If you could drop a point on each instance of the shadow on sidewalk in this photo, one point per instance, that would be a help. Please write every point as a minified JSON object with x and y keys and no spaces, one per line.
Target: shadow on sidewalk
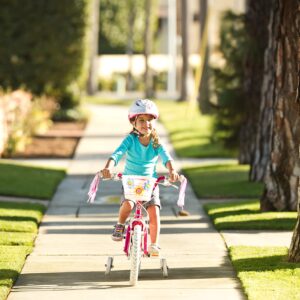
{"x":97,"y":280}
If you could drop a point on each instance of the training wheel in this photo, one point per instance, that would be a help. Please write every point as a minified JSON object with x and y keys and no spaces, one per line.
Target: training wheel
{"x":164,"y":267}
{"x":109,"y":265}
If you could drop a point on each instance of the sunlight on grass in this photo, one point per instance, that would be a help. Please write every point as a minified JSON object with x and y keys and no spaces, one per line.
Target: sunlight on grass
{"x":11,"y":262}
{"x":222,"y":181}
{"x":246,"y":215}
{"x":20,"y":217}
{"x":18,"y":229}
{"x":190,"y":132}
{"x":106,"y":101}
{"x":265,"y":272}
{"x":28,"y":181}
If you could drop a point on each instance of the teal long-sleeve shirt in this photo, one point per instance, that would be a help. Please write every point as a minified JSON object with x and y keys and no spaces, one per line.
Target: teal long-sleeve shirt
{"x":140,"y":160}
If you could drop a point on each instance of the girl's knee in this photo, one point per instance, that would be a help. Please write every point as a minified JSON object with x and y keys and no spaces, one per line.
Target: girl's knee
{"x":128,"y":204}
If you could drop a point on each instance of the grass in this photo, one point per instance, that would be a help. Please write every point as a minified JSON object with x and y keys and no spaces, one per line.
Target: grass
{"x":18,"y":228}
{"x":222,"y":181}
{"x":11,"y":262}
{"x":104,"y":101}
{"x":246,"y":215}
{"x":20,"y":217}
{"x":190,"y":132}
{"x":265,"y":272}
{"x":28,"y":181}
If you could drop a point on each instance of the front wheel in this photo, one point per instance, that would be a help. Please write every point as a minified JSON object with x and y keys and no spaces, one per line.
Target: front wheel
{"x":135,"y":254}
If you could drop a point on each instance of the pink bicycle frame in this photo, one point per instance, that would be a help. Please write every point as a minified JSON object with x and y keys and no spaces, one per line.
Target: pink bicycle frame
{"x":138,"y":220}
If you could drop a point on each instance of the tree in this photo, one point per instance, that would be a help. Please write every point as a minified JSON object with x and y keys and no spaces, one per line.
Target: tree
{"x":93,"y":48}
{"x":256,"y":27}
{"x":228,"y":81}
{"x":131,"y":16}
{"x":262,"y":150}
{"x":281,"y":109}
{"x":114,"y":24}
{"x":185,"y":70}
{"x":147,"y":49}
{"x":42,"y":44}
{"x":204,"y":85}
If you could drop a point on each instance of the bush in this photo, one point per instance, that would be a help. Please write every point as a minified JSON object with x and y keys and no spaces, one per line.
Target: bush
{"x":42,"y":44}
{"x":23,"y":116}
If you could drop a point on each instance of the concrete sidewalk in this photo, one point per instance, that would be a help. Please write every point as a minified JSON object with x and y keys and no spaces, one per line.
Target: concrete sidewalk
{"x":74,"y":241}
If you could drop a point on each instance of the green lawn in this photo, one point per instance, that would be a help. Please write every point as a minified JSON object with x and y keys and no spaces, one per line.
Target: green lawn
{"x":11,"y":262}
{"x":19,"y":221}
{"x":222,"y":181}
{"x":18,"y":228}
{"x":245,"y":215}
{"x":28,"y":181}
{"x":104,"y":101}
{"x":265,"y":273}
{"x":190,"y":132}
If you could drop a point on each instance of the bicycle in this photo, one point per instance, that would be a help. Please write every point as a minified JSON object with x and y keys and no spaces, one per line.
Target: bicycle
{"x":139,"y":190}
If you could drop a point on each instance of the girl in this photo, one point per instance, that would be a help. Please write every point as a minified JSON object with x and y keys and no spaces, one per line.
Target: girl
{"x":143,"y":148}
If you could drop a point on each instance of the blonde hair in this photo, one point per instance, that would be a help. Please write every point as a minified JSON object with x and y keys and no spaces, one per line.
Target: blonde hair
{"x":155,"y":137}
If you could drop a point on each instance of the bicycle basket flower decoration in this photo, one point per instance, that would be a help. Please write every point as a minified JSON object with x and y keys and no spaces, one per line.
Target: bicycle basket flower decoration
{"x":138,"y":187}
{"x":139,"y":190}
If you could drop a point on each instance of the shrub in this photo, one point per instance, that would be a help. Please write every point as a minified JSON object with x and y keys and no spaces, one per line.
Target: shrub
{"x":42,"y":44}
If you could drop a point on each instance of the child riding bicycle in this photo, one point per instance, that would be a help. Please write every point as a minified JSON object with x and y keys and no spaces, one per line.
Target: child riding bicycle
{"x":142,"y":148}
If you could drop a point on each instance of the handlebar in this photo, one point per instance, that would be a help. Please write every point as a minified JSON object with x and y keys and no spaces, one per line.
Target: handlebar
{"x":163,"y":180}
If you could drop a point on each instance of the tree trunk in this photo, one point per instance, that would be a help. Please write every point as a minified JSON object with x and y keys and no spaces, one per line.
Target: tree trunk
{"x":281,"y":178}
{"x":92,"y":85}
{"x":261,"y":155}
{"x":257,"y":18}
{"x":147,"y":50}
{"x":294,"y":251}
{"x":185,"y":75}
{"x":204,"y":87}
{"x":129,"y":50}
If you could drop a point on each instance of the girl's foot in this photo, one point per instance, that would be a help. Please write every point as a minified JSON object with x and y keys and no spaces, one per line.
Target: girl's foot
{"x":154,"y":250}
{"x":118,"y":232}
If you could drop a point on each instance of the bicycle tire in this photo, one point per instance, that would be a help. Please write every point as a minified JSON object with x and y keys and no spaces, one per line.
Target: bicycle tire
{"x":164,"y":267}
{"x":109,"y":265}
{"x":135,"y":254}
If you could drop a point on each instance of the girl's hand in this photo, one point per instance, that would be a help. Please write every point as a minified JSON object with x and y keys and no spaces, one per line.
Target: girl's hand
{"x":173,"y":176}
{"x":106,"y":173}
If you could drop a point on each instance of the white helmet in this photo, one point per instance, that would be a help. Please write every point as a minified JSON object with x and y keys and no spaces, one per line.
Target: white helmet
{"x":143,"y":107}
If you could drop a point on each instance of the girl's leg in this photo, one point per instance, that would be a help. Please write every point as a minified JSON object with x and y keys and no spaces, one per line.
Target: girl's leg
{"x":154,"y":223}
{"x":125,"y":210}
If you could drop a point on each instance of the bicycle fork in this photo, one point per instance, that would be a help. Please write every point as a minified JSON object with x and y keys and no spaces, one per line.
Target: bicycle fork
{"x":137,"y":220}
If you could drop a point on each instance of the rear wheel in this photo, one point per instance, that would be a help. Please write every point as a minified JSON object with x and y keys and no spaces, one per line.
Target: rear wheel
{"x":135,"y":254}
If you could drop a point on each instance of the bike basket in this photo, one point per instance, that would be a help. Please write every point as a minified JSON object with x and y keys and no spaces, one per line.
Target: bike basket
{"x":138,"y":187}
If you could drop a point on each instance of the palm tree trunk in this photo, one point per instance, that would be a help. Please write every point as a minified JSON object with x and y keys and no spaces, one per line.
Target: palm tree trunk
{"x":93,"y":49}
{"x":257,"y":18}
{"x":147,"y":50}
{"x":129,"y":48}
{"x":281,"y":176}
{"x":261,"y":155}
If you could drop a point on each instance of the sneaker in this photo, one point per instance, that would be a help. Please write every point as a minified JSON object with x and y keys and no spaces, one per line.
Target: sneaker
{"x":118,"y":232}
{"x":154,"y":250}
